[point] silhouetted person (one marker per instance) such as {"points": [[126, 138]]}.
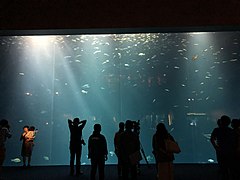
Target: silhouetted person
{"points": [[117, 146], [129, 144], [4, 134], [76, 126], [97, 152], [236, 130], [222, 139], [24, 151], [29, 143], [164, 159]]}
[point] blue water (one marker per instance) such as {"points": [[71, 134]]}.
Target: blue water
{"points": [[186, 80]]}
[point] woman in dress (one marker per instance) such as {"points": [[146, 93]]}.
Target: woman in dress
{"points": [[163, 158]]}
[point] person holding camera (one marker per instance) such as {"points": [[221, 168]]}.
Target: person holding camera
{"points": [[76, 126], [128, 149]]}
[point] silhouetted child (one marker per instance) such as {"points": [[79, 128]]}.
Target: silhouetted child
{"points": [[31, 134]]}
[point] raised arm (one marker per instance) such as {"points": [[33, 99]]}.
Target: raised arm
{"points": [[70, 123], [83, 123]]}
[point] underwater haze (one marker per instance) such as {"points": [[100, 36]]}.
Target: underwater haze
{"points": [[185, 80]]}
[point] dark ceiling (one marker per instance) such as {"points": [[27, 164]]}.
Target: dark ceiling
{"points": [[91, 14]]}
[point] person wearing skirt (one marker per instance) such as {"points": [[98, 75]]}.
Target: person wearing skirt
{"points": [[164, 160]]}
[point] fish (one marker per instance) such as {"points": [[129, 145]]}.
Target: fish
{"points": [[111, 153], [212, 67], [46, 158], [107, 61], [67, 57], [233, 60], [119, 55], [207, 135], [195, 57], [28, 94], [84, 91], [176, 67], [86, 86], [141, 54], [97, 52], [210, 160], [16, 160], [153, 56]]}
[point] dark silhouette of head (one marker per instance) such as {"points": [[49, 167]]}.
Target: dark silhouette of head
{"points": [[129, 125], [4, 123], [235, 123], [26, 126], [76, 121], [97, 128], [121, 126], [225, 121], [161, 129], [31, 128]]}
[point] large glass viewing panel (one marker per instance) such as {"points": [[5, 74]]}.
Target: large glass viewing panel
{"points": [[186, 80]]}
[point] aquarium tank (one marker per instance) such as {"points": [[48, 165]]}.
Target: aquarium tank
{"points": [[186, 80]]}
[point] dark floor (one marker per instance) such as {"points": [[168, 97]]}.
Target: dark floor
{"points": [[181, 172]]}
